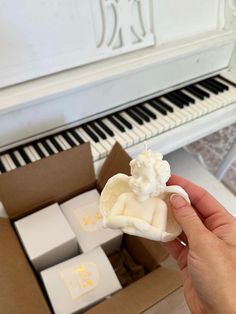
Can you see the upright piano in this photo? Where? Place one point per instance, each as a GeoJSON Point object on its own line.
{"type": "Point", "coordinates": [102, 71]}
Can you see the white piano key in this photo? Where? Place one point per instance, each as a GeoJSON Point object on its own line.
{"type": "Point", "coordinates": [145, 131]}
{"type": "Point", "coordinates": [95, 152]}
{"type": "Point", "coordinates": [73, 138]}
{"type": "Point", "coordinates": [155, 122]}
{"type": "Point", "coordinates": [109, 141]}
{"type": "Point", "coordinates": [45, 152]}
{"type": "Point", "coordinates": [130, 132]}
{"type": "Point", "coordinates": [177, 111]}
{"type": "Point", "coordinates": [10, 161]}
{"type": "Point", "coordinates": [5, 163]}
{"type": "Point", "coordinates": [214, 101]}
{"type": "Point", "coordinates": [232, 88]}
{"type": "Point", "coordinates": [164, 120]}
{"type": "Point", "coordinates": [197, 107]}
{"type": "Point", "coordinates": [19, 158]}
{"type": "Point", "coordinates": [53, 148]}
{"type": "Point", "coordinates": [158, 122]}
{"type": "Point", "coordinates": [29, 154]}
{"type": "Point", "coordinates": [99, 147]}
{"type": "Point", "coordinates": [65, 143]}
{"type": "Point", "coordinates": [104, 142]}
{"type": "Point", "coordinates": [34, 152]}
{"type": "Point", "coordinates": [120, 137]}
{"type": "Point", "coordinates": [174, 117]}
{"type": "Point", "coordinates": [136, 129]}
{"type": "Point", "coordinates": [61, 142]}
{"type": "Point", "coordinates": [125, 135]}
{"type": "Point", "coordinates": [202, 106]}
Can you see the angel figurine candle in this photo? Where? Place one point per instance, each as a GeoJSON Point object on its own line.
{"type": "Point", "coordinates": [139, 204]}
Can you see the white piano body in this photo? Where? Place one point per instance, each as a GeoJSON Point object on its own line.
{"type": "Point", "coordinates": [66, 63]}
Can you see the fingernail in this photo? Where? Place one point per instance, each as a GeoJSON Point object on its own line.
{"type": "Point", "coordinates": [177, 201]}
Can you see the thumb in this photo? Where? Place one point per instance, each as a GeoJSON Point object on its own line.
{"type": "Point", "coordinates": [187, 218]}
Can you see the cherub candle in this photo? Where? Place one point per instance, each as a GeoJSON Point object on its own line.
{"type": "Point", "coordinates": [139, 204]}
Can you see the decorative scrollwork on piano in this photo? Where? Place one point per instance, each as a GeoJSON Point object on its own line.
{"type": "Point", "coordinates": [126, 25]}
{"type": "Point", "coordinates": [230, 13]}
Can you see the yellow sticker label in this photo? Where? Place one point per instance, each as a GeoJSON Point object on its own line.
{"type": "Point", "coordinates": [80, 279]}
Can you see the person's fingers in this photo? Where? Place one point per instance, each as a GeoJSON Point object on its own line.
{"type": "Point", "coordinates": [178, 252]}
{"type": "Point", "coordinates": [182, 237]}
{"type": "Point", "coordinates": [203, 201]}
{"type": "Point", "coordinates": [187, 218]}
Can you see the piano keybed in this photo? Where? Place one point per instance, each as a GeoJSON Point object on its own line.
{"type": "Point", "coordinates": [130, 126]}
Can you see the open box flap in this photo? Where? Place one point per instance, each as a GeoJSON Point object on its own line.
{"type": "Point", "coordinates": [116, 162]}
{"type": "Point", "coordinates": [142, 294]}
{"type": "Point", "coordinates": [20, 291]}
{"type": "Point", "coordinates": [53, 179]}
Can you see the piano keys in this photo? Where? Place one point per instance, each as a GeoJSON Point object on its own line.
{"type": "Point", "coordinates": [129, 126]}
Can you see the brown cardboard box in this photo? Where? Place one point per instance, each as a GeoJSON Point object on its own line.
{"type": "Point", "coordinates": [57, 179]}
{"type": "Point", "coordinates": [19, 290]}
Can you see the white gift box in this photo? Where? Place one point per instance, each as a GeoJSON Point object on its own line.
{"type": "Point", "coordinates": [80, 282]}
{"type": "Point", "coordinates": [47, 237]}
{"type": "Point", "coordinates": [84, 216]}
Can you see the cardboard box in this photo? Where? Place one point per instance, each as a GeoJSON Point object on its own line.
{"type": "Point", "coordinates": [47, 237]}
{"type": "Point", "coordinates": [20, 292]}
{"type": "Point", "coordinates": [82, 212]}
{"type": "Point", "coordinates": [3, 213]}
{"type": "Point", "coordinates": [64, 176]}
{"type": "Point", "coordinates": [80, 282]}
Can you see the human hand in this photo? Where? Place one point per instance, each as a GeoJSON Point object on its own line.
{"type": "Point", "coordinates": [208, 261]}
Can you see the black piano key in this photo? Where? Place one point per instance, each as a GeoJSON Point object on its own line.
{"type": "Point", "coordinates": [98, 131]}
{"type": "Point", "coordinates": [190, 99]}
{"type": "Point", "coordinates": [164, 105]}
{"type": "Point", "coordinates": [154, 103]}
{"type": "Point", "coordinates": [14, 159]}
{"type": "Point", "coordinates": [47, 147]}
{"type": "Point", "coordinates": [105, 127]}
{"type": "Point", "coordinates": [24, 155]}
{"type": "Point", "coordinates": [76, 136]}
{"type": "Point", "coordinates": [187, 97]}
{"type": "Point", "coordinates": [203, 92]}
{"type": "Point", "coordinates": [134, 116]}
{"type": "Point", "coordinates": [209, 87]}
{"type": "Point", "coordinates": [194, 92]}
{"type": "Point", "coordinates": [148, 112]}
{"type": "Point", "coordinates": [180, 98]}
{"type": "Point", "coordinates": [2, 168]}
{"type": "Point", "coordinates": [142, 115]}
{"type": "Point", "coordinates": [226, 87]}
{"type": "Point", "coordinates": [38, 149]}
{"type": "Point", "coordinates": [68, 139]}
{"type": "Point", "coordinates": [174, 100]}
{"type": "Point", "coordinates": [116, 123]}
{"type": "Point", "coordinates": [56, 144]}
{"type": "Point", "coordinates": [90, 133]}
{"type": "Point", "coordinates": [214, 83]}
{"type": "Point", "coordinates": [124, 121]}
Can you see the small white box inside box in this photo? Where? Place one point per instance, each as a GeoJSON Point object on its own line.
{"type": "Point", "coordinates": [80, 282]}
{"type": "Point", "coordinates": [47, 237]}
{"type": "Point", "coordinates": [85, 219]}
